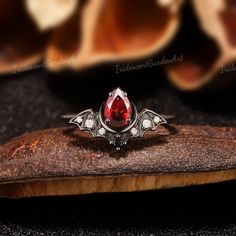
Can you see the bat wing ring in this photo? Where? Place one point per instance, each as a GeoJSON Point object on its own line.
{"type": "Point", "coordinates": [117, 120]}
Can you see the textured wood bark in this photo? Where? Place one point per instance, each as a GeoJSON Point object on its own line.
{"type": "Point", "coordinates": [67, 161]}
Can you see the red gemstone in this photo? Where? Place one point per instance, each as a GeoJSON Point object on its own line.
{"type": "Point", "coordinates": [118, 110]}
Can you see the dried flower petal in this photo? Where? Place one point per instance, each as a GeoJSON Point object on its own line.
{"type": "Point", "coordinates": [50, 13]}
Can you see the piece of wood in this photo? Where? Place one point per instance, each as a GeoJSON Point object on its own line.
{"type": "Point", "coordinates": [66, 161]}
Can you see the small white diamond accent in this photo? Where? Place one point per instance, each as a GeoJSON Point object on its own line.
{"type": "Point", "coordinates": [89, 123]}
{"type": "Point", "coordinates": [79, 119]}
{"type": "Point", "coordinates": [101, 131]}
{"type": "Point", "coordinates": [147, 124]}
{"type": "Point", "coordinates": [157, 119]}
{"type": "Point", "coordinates": [134, 131]}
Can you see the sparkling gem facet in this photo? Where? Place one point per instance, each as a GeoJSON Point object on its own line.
{"type": "Point", "coordinates": [79, 119]}
{"type": "Point", "coordinates": [89, 123]}
{"type": "Point", "coordinates": [146, 124]}
{"type": "Point", "coordinates": [157, 119]}
{"type": "Point", "coordinates": [101, 131]}
{"type": "Point", "coordinates": [118, 110]}
{"type": "Point", "coordinates": [134, 131]}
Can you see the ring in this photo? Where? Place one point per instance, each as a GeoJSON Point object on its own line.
{"type": "Point", "coordinates": [117, 120]}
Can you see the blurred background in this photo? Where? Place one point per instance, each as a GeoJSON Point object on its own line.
{"type": "Point", "coordinates": [173, 56]}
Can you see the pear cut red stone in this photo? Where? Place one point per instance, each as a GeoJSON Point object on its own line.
{"type": "Point", "coordinates": [117, 110]}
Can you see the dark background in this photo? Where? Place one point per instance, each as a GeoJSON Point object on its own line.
{"type": "Point", "coordinates": [36, 100]}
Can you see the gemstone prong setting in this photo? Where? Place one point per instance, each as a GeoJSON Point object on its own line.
{"type": "Point", "coordinates": [118, 120]}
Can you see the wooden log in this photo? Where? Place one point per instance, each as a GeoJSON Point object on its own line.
{"type": "Point", "coordinates": [66, 161]}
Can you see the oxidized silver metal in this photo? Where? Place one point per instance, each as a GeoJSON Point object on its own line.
{"type": "Point", "coordinates": [94, 122]}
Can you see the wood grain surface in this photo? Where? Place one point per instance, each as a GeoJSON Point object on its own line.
{"type": "Point", "coordinates": [66, 161]}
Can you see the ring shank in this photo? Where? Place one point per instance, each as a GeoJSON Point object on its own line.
{"type": "Point", "coordinates": [69, 116]}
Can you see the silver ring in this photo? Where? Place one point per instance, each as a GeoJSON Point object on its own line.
{"type": "Point", "coordinates": [117, 120]}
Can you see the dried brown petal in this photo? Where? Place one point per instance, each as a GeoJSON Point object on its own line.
{"type": "Point", "coordinates": [21, 45]}
{"type": "Point", "coordinates": [113, 31]}
{"type": "Point", "coordinates": [217, 21]}
{"type": "Point", "coordinates": [48, 14]}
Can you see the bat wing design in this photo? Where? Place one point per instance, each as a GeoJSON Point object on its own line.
{"type": "Point", "coordinates": [85, 120]}
{"type": "Point", "coordinates": [148, 120]}
{"type": "Point", "coordinates": [89, 121]}
{"type": "Point", "coordinates": [144, 121]}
